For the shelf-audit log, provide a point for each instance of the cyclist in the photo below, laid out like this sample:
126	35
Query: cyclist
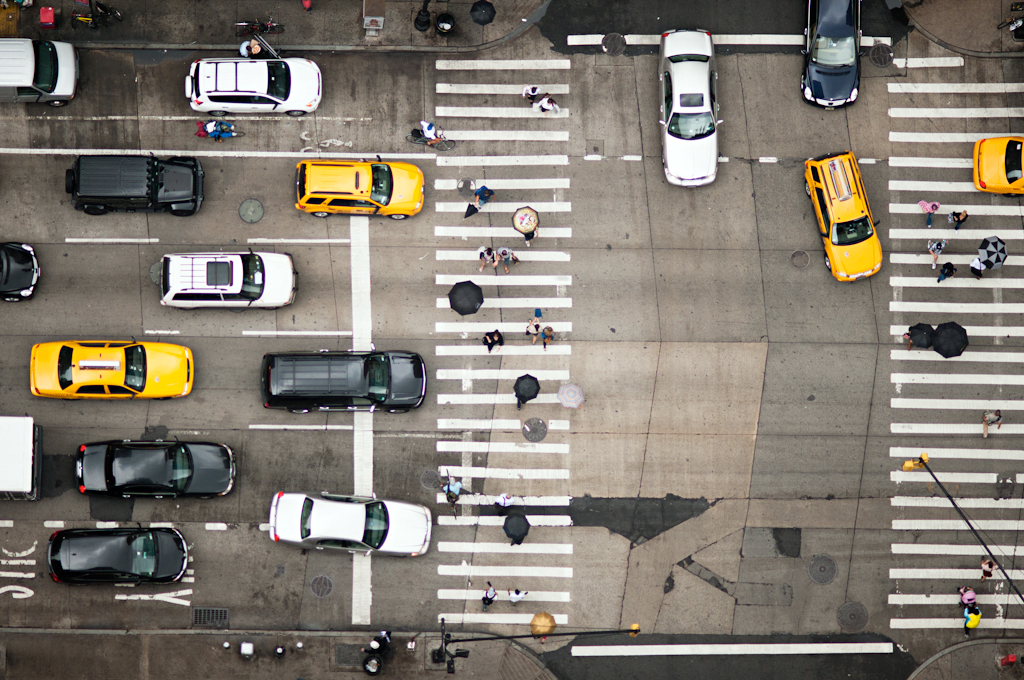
429	132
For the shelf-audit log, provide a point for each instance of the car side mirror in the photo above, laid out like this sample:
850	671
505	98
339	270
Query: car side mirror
719	122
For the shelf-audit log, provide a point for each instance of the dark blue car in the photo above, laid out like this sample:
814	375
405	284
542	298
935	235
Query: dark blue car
831	53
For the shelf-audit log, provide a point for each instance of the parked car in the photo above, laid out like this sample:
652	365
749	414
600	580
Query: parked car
998	166
689	108
831	75
110	369
261	280
38	71
156	555
222	86
352	523
19	271
325	188
102	184
155	468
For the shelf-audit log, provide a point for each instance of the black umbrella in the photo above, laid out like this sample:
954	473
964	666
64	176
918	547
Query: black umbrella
921	335
516	528
950	339
527	387
992	252
482	12
466	297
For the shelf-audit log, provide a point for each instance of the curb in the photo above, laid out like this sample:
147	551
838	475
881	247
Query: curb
970	643
953	48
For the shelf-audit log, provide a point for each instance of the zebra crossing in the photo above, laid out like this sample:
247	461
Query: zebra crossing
935	120
478	105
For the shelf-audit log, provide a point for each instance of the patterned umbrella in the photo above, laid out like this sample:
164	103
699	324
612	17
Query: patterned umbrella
570	395
525	220
992	252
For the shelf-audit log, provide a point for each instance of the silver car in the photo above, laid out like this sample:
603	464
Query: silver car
352	523
689	108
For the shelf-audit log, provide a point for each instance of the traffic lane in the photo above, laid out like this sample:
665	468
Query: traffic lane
609	207
606	88
781	469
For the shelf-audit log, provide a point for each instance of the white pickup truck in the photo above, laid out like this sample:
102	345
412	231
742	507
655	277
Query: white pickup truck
21	458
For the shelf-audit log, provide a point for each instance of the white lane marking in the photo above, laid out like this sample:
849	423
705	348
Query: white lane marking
527	256
265	527
560	349
362	453
17	563
54	524
515	303
487	617
16	574
954	404
970	357
6	524
955	88
767	159
930	186
957	622
955	549
161	332
939	137
507	135
967	112
505	207
276	426
929	62
457	446
477	570
302	241
534	595
501	64
496	88
986	331
107	525
502	473
18	592
498	183
915	209
504	280
210	153
26	553
926	259
484	326
362	589
726	649
958	307
497	521
922	162
963	235
216	526
496	112
288	334
483	499
966	282
942	502
494	424
499	161
632	158
162	525
506	547
955	379
901	477
959	525
1003	599
497	374
867	161
509	399
113	240
951	428
173	597
362	318
502	232
246	117
955	454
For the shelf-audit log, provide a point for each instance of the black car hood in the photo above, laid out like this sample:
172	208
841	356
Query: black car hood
211	472
17	269
94	467
832	83
170	555
176	184
406	379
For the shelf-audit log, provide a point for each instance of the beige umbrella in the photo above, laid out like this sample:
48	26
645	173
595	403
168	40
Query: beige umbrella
542	624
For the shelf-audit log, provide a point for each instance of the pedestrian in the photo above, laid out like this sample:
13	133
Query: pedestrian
503	503
530	235
486	256
991	418
972	617
515	597
910	343
967	595
987	567
531	92
929	208
379	645
451	492
547	335
483	194
507	257
948	271
533	328
494	339
250	48
490	595
428	131
957	219
977	267
547	104
936	248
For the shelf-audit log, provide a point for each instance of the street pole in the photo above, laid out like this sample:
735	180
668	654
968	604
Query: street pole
422	20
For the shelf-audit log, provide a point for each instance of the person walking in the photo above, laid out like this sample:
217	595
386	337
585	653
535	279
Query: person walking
929	208
533	328
991	418
972	617
967	595
910	343
503	503
948	271
977	267
490	595
987	567
517	596
936	248
451	493
486	256
494	339
547	104
507	257
530	93
428	130
530	235
483	194
547	335
957	219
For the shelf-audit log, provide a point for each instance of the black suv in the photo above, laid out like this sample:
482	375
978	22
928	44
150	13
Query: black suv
102	184
831	53
343	381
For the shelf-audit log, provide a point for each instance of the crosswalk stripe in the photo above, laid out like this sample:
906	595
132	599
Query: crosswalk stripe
501	232
945	599
485	499
954	404
926	259
967	112
956	525
477	570
506	547
954	88
560	349
490	399
454	446
976	331
501	64
513	183
950	428
523	255
970	357
504	280
967	574
507	135
493	424
901	477
502	473
496	374
933	282
487	617
960	307
486	326
497	112
496	88
955	379
939	137
532	596
997	210
506	206
923	162
954	454
937	502
930	186
957	622
928	62
962	550
942	231
497	520
516	303
500	161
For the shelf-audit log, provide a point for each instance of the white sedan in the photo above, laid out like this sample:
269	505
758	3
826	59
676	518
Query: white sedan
222	86
689	108
352	523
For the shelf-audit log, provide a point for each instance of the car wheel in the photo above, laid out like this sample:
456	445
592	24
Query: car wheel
69	181
320	214
398	217
828	263
58	103
218	114
296	114
807	188
94	210
182	213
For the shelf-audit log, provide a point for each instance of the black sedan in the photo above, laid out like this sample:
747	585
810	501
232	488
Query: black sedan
831	53
155	468
117	556
19	271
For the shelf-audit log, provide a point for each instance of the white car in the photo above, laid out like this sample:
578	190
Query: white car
689	108
222	86
352	523
193	280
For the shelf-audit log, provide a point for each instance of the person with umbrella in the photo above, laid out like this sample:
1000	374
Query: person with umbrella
516	527
919	335
526	388
526	221
992	252
950	339
466	297
482	12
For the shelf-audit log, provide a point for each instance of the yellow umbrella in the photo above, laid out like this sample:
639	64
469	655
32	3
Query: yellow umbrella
542	624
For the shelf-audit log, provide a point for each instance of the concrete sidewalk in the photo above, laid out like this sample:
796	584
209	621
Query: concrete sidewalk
974	659
966	26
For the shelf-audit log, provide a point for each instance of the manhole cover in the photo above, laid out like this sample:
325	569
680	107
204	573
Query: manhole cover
321	585
852	616
210	616
822	569
799	259
613	44
535	430
880	55
430	480
467	188
251	211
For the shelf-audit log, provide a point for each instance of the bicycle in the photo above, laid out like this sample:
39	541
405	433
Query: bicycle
220	130
100	16
246	28
416	137
1013	23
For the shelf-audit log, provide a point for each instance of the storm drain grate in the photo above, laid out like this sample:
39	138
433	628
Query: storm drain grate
822	569
216	617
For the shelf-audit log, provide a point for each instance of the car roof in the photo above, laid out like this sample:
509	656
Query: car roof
835	18
110	176
205	272
17	62
690	77
339	520
842	181
98	365
339	178
234	75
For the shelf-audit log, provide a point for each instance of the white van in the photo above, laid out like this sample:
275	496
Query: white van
194	280
37	71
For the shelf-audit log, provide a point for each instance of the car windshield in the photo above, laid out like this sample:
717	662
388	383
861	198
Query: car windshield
382	184
252	277
378	376
307	512
135	367
279	79
143	551
1013	161
834	51
64	367
691	125
854	231
46	65
376	525
179	467
675	59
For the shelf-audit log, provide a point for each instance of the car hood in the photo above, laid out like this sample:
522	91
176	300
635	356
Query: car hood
859	257
279	279
407	372
93	467
177	185
992	161
165	370
20	270
172	556
408	187
213	469
831	83
306	82
408	528
691	158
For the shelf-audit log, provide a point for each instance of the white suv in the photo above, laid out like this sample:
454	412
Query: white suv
193	280
222	86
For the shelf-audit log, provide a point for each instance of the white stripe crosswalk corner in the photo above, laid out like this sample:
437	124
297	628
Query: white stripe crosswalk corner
497	520
496	618
933	624
484	499
953	428
533	596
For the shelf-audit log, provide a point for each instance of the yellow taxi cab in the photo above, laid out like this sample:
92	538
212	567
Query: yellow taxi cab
327	188
110	369
997	165
834	185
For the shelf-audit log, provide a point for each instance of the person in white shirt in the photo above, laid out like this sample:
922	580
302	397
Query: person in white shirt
430	132
515	597
531	92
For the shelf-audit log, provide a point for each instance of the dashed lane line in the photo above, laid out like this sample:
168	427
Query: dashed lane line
302	241
281	426
113	240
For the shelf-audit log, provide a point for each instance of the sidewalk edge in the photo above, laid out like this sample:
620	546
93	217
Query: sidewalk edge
970	643
954	48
